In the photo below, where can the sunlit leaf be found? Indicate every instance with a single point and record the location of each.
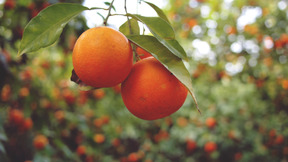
(173, 63)
(158, 10)
(163, 31)
(133, 26)
(157, 26)
(44, 29)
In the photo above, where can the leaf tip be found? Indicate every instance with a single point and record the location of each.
(20, 53)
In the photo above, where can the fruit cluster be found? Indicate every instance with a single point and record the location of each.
(103, 57)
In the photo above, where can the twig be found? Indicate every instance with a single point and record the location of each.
(129, 23)
(131, 32)
(109, 13)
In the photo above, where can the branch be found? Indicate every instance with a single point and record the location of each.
(109, 13)
(131, 32)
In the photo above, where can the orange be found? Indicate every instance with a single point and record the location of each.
(238, 156)
(9, 4)
(98, 123)
(152, 92)
(59, 115)
(102, 57)
(182, 122)
(191, 145)
(142, 53)
(210, 147)
(40, 141)
(279, 139)
(99, 93)
(6, 92)
(210, 122)
(99, 138)
(27, 124)
(116, 142)
(81, 150)
(16, 116)
(133, 157)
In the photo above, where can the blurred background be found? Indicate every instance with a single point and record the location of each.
(238, 63)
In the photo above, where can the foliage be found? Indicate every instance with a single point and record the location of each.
(249, 105)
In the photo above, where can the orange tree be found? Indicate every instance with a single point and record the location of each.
(238, 73)
(240, 44)
(42, 120)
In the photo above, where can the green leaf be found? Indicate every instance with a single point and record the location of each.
(163, 31)
(2, 148)
(158, 27)
(44, 29)
(125, 29)
(101, 16)
(109, 4)
(173, 63)
(3, 136)
(159, 11)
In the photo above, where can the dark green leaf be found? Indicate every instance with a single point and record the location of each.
(107, 3)
(158, 10)
(173, 63)
(125, 28)
(44, 29)
(163, 31)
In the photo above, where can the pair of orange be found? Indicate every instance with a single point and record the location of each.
(103, 57)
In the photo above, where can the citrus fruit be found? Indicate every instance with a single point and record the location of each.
(81, 150)
(152, 92)
(102, 57)
(191, 145)
(40, 141)
(210, 122)
(210, 147)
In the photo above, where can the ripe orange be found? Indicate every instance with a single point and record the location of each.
(182, 121)
(27, 124)
(142, 53)
(98, 122)
(6, 92)
(237, 156)
(9, 4)
(99, 93)
(133, 157)
(99, 138)
(40, 141)
(116, 142)
(81, 150)
(191, 145)
(210, 122)
(151, 92)
(210, 147)
(279, 139)
(102, 57)
(16, 116)
(59, 115)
